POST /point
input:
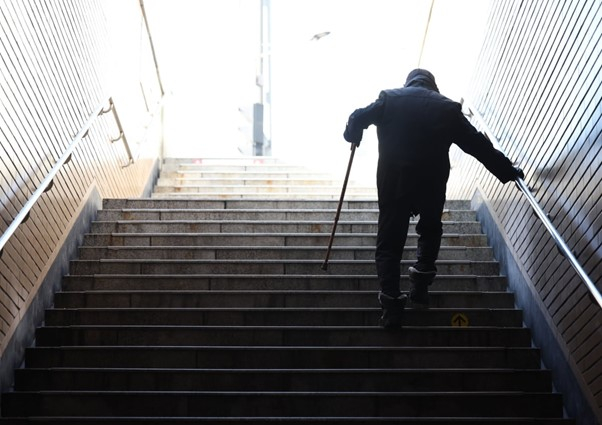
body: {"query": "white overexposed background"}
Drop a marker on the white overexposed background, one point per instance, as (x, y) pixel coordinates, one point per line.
(209, 54)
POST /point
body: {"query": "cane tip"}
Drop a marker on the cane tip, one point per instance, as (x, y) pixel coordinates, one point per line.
(324, 266)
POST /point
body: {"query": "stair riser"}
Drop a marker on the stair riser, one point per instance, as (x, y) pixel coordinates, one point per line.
(261, 282)
(284, 357)
(255, 195)
(245, 204)
(273, 336)
(303, 215)
(259, 165)
(236, 175)
(251, 404)
(190, 180)
(258, 227)
(267, 299)
(260, 267)
(252, 240)
(282, 317)
(286, 204)
(205, 162)
(230, 215)
(255, 190)
(264, 253)
(287, 421)
(281, 380)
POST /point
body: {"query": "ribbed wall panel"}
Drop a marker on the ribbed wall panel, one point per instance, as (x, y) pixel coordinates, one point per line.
(59, 60)
(538, 85)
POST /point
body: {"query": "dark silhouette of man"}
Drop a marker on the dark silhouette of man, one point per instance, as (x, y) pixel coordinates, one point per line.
(416, 127)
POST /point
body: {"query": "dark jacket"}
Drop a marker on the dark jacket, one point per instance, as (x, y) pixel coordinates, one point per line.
(416, 127)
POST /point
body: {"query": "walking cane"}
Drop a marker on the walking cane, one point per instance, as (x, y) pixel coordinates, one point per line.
(336, 217)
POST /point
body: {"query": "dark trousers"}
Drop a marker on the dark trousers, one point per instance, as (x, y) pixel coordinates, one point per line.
(404, 192)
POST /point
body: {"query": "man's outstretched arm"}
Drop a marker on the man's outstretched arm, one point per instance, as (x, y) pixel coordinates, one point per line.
(478, 145)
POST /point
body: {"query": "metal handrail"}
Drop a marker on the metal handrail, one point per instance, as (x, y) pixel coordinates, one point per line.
(121, 133)
(560, 243)
(47, 183)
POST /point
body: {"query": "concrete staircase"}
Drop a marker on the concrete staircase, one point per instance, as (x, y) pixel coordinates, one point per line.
(207, 304)
(256, 178)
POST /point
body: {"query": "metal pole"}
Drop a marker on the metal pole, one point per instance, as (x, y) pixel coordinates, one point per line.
(152, 47)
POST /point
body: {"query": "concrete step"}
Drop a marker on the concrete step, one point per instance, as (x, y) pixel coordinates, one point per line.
(283, 316)
(216, 174)
(282, 357)
(299, 404)
(373, 380)
(185, 180)
(242, 188)
(241, 160)
(274, 282)
(410, 336)
(253, 195)
(266, 299)
(238, 166)
(264, 226)
(257, 172)
(233, 214)
(267, 267)
(266, 253)
(287, 421)
(286, 204)
(248, 167)
(263, 239)
(258, 214)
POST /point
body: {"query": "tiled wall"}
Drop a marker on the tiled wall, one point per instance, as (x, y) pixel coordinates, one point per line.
(538, 85)
(60, 60)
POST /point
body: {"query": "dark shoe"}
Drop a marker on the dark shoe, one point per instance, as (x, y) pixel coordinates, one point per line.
(420, 279)
(392, 310)
(423, 274)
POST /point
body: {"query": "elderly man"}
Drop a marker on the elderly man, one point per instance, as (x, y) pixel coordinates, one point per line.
(416, 127)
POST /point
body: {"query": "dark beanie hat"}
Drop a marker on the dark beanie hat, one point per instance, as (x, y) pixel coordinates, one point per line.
(421, 78)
